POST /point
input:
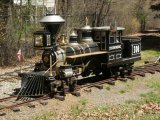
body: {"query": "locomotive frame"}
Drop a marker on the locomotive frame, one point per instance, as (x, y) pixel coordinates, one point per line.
(93, 51)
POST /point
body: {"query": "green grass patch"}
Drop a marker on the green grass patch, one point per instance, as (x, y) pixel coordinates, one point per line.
(147, 55)
(151, 97)
(45, 116)
(108, 88)
(83, 102)
(123, 91)
(101, 108)
(154, 83)
(127, 87)
(154, 95)
(76, 110)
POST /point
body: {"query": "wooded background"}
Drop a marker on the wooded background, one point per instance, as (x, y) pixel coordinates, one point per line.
(18, 22)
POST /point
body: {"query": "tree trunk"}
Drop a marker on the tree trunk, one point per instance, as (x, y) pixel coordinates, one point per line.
(4, 5)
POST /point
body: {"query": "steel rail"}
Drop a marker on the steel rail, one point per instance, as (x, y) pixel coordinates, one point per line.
(24, 102)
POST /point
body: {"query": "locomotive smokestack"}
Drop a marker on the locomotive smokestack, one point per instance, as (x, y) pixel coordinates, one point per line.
(52, 23)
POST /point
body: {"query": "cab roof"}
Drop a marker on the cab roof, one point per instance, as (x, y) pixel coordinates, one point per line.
(104, 28)
(107, 28)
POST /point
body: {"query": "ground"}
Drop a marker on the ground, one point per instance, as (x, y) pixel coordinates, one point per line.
(138, 99)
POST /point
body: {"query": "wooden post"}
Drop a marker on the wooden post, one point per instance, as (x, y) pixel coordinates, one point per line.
(50, 66)
(20, 66)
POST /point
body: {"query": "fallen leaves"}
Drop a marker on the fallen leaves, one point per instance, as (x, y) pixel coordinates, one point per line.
(149, 108)
(112, 114)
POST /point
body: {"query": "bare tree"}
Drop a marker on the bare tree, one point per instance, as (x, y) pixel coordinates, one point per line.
(156, 7)
(4, 54)
(141, 14)
(75, 12)
(101, 12)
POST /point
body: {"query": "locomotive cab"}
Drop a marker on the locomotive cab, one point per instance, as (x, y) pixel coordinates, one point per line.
(121, 50)
(108, 39)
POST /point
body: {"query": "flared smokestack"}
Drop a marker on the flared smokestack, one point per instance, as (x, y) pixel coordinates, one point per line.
(52, 23)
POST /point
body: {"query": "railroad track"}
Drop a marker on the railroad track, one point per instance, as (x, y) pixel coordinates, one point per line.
(148, 68)
(138, 71)
(12, 103)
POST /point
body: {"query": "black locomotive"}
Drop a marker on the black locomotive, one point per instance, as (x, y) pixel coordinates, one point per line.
(91, 51)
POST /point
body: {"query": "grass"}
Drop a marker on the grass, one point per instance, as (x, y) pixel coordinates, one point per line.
(101, 108)
(83, 102)
(154, 95)
(147, 55)
(77, 109)
(108, 88)
(130, 101)
(123, 91)
(45, 116)
(127, 87)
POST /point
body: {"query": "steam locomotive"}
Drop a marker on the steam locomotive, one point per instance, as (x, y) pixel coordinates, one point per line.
(91, 51)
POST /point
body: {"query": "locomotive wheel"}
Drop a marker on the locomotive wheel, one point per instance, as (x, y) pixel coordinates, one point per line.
(130, 71)
(106, 73)
(72, 84)
(115, 72)
(127, 70)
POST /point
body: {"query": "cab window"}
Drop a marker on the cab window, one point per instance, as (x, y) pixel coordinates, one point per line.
(114, 37)
(97, 36)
